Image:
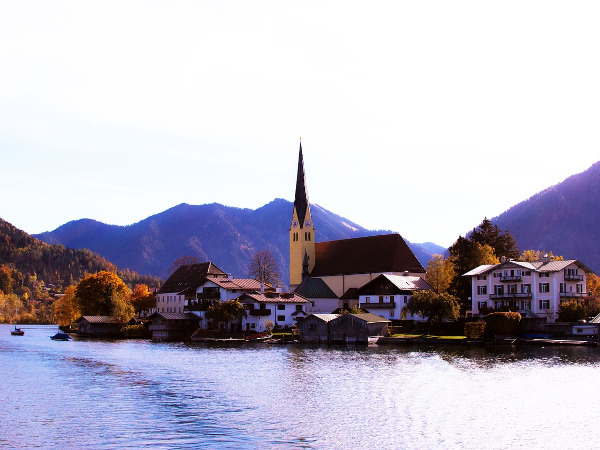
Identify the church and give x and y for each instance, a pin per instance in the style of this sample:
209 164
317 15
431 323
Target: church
333 271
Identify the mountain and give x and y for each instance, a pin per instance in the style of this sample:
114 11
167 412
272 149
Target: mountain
26 261
564 219
225 235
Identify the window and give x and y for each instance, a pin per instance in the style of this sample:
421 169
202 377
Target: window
281 318
281 307
498 290
482 305
298 307
391 299
526 288
544 304
563 287
368 300
481 290
512 288
497 274
527 273
544 274
406 299
544 287
481 277
580 288
253 326
381 299
391 313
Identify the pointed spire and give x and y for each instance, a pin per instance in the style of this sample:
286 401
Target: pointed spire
305 266
301 199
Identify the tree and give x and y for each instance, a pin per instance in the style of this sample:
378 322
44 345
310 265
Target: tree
591 303
440 273
67 307
536 255
503 244
570 311
431 305
104 294
264 268
226 312
142 299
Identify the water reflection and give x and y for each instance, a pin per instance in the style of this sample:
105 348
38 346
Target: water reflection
91 394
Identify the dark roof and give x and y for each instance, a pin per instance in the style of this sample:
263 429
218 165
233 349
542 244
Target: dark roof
314 288
174 316
101 319
372 254
273 297
386 284
301 197
350 294
187 278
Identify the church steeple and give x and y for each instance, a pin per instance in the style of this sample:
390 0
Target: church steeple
302 232
301 198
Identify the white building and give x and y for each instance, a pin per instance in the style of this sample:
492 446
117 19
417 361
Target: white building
281 309
386 295
535 289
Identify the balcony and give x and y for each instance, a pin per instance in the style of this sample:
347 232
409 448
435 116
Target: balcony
510 295
208 295
197 306
510 278
388 305
259 312
573 294
573 277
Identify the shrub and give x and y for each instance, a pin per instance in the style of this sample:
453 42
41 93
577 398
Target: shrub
501 323
474 330
571 311
135 331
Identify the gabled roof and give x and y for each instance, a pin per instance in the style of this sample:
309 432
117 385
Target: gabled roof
399 282
535 266
101 319
372 254
314 288
187 278
367 317
350 294
272 297
325 317
175 316
237 283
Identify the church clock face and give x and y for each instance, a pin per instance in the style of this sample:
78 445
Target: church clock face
295 224
307 224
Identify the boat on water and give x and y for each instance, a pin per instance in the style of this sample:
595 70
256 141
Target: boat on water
17 332
60 336
259 337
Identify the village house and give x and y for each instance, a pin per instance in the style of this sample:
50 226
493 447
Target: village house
315 328
534 289
182 286
280 309
386 295
219 289
356 328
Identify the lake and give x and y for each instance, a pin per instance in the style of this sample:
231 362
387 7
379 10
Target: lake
136 394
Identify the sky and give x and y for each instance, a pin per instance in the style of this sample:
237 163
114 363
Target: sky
417 117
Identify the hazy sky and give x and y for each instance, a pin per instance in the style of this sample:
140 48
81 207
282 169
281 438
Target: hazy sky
421 117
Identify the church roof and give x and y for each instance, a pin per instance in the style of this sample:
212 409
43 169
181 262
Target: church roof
314 288
301 198
372 254
187 278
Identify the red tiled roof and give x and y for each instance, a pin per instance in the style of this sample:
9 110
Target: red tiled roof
237 283
372 254
286 297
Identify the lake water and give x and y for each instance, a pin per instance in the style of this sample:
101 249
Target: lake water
109 394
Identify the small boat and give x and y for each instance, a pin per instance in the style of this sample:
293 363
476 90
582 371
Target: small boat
17 332
259 337
60 336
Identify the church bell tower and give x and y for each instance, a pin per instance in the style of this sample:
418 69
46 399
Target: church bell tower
302 231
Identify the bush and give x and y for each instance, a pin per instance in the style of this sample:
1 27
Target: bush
571 311
501 323
474 330
135 331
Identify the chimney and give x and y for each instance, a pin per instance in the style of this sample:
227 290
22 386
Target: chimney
230 277
262 287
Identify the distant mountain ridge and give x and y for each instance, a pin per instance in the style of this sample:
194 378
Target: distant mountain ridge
225 235
564 219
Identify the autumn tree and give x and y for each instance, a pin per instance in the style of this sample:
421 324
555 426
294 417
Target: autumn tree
536 255
570 311
592 302
67 307
440 273
142 299
264 268
104 294
431 305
